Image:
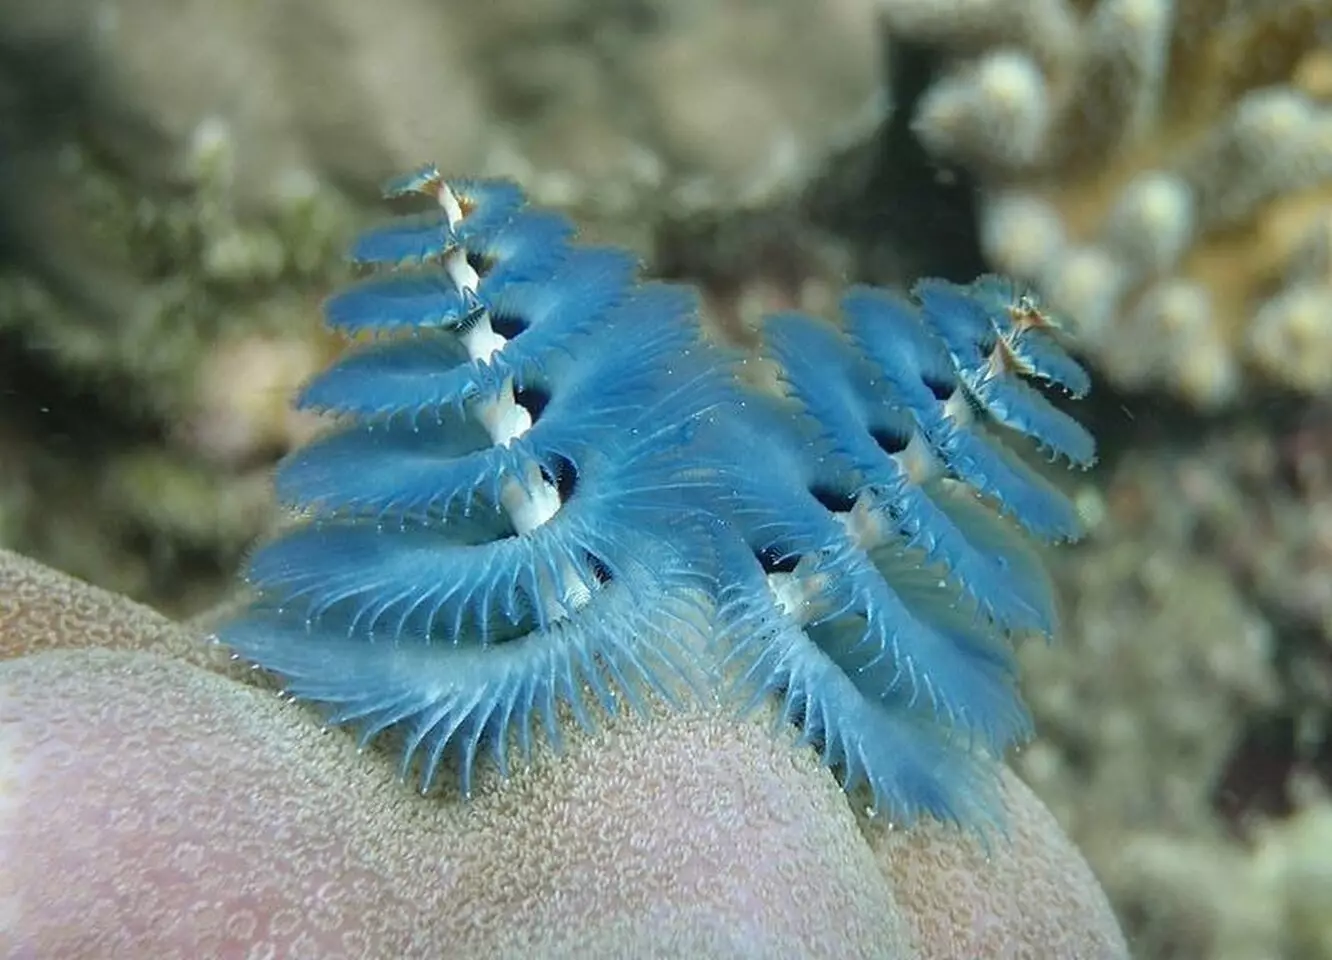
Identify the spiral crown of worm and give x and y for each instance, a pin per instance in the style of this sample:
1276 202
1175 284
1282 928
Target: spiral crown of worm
544 487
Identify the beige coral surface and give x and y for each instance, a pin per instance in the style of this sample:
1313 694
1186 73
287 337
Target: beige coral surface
151 804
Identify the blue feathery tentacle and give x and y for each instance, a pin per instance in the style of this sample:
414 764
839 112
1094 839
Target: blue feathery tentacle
848 529
470 694
527 248
396 379
416 239
908 652
431 372
542 483
989 361
912 765
408 465
916 366
893 465
1028 334
406 596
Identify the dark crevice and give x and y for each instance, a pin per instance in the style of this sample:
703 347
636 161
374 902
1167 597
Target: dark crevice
508 326
480 263
890 441
904 213
775 560
561 473
1257 778
599 569
532 398
836 501
941 389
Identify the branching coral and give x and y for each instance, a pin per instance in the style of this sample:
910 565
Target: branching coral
1161 170
547 489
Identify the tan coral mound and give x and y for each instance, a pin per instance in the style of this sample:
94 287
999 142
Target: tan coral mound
152 805
1161 170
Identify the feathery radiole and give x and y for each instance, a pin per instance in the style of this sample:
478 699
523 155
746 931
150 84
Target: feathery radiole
543 476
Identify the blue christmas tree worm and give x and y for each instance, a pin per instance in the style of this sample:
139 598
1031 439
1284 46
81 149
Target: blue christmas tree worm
544 480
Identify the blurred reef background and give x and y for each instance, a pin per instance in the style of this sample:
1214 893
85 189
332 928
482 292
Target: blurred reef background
177 181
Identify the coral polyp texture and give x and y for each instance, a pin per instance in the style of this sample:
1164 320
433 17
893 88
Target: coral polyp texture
1161 171
547 491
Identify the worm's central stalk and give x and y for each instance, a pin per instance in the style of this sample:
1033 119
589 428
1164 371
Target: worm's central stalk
533 500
